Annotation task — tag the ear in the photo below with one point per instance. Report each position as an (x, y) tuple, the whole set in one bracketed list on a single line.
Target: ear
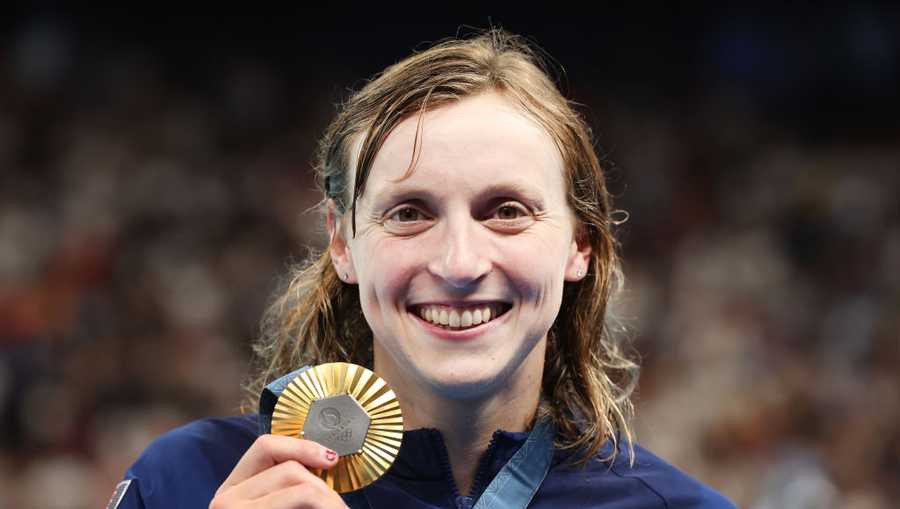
[(579, 258), (337, 244)]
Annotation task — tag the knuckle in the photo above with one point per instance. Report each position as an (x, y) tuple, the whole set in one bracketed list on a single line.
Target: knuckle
[(295, 473), (217, 502), (315, 494), (266, 443), (303, 495)]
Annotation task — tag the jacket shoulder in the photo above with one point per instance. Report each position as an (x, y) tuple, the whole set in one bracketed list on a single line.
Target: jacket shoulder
[(185, 466), (675, 488), (648, 482)]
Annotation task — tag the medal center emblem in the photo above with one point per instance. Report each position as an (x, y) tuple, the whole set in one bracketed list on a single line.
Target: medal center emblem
[(330, 418), (337, 422)]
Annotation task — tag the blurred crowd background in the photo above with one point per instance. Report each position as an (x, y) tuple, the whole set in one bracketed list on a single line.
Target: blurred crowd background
[(155, 185)]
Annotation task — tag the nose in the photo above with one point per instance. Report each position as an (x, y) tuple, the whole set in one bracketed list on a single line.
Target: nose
[(461, 256)]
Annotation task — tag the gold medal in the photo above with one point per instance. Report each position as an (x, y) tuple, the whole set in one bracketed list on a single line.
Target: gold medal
[(348, 409)]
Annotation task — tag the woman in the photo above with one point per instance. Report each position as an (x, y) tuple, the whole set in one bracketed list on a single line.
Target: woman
[(470, 265)]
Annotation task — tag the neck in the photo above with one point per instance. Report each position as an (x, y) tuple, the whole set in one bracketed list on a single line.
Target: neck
[(467, 425)]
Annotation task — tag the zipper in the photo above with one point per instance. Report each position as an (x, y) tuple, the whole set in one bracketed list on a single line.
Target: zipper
[(478, 483)]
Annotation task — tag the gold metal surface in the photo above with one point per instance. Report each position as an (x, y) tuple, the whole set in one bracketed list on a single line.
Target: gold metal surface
[(385, 433)]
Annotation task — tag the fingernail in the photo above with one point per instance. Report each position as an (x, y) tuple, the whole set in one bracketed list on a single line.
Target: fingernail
[(330, 455)]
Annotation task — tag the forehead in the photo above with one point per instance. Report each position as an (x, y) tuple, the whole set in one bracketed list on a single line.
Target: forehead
[(477, 141)]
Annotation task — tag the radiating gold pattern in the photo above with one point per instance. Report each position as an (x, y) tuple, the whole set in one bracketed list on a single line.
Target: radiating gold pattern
[(385, 433)]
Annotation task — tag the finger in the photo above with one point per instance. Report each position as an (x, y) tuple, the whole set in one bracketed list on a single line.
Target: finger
[(270, 450), (302, 496), (282, 475)]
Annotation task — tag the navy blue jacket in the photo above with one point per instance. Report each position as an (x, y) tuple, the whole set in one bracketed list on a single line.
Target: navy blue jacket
[(184, 468)]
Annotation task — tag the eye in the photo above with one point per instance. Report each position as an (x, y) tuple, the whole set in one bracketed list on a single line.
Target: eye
[(406, 215), (406, 219), (510, 217), (511, 211)]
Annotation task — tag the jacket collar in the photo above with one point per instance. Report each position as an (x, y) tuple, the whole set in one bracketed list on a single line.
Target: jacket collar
[(423, 460)]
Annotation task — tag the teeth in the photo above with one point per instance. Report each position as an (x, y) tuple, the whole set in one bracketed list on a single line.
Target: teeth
[(458, 318)]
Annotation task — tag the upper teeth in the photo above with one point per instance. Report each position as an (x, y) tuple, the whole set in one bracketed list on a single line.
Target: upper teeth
[(458, 317)]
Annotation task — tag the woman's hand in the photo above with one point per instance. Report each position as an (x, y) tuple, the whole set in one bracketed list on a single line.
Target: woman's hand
[(273, 474)]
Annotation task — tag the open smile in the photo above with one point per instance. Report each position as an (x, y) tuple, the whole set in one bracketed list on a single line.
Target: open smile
[(460, 317)]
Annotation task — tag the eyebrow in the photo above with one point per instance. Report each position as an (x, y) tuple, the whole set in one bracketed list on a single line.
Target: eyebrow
[(396, 194)]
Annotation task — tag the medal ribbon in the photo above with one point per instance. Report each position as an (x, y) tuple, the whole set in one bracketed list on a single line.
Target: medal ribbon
[(269, 398), (518, 481)]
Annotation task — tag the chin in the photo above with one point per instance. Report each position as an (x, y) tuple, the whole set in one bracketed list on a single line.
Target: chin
[(467, 382)]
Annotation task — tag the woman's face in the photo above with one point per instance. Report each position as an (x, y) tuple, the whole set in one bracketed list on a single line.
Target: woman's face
[(481, 230)]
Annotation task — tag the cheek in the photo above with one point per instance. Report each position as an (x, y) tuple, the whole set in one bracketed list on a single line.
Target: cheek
[(388, 268), (536, 263)]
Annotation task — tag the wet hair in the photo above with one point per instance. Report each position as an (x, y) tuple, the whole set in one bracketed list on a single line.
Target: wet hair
[(588, 374)]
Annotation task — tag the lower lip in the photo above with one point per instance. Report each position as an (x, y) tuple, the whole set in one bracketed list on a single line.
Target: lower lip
[(460, 334)]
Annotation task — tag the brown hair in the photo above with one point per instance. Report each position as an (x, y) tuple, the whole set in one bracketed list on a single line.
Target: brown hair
[(588, 378)]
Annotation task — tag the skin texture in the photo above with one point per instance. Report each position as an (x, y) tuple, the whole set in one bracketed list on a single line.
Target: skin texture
[(482, 217), (273, 474)]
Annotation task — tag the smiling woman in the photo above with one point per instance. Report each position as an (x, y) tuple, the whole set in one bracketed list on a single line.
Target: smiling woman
[(470, 265), (453, 252)]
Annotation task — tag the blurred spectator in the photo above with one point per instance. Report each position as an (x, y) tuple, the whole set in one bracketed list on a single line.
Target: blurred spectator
[(146, 215)]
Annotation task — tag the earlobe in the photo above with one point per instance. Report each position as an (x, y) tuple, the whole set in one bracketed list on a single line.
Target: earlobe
[(338, 248), (579, 259)]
